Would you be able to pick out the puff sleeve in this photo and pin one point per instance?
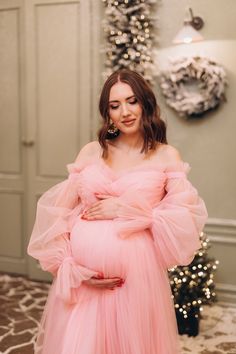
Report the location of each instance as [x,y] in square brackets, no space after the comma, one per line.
[175,222]
[49,243]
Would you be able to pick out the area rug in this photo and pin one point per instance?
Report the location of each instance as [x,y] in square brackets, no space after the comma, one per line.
[217,332]
[22,302]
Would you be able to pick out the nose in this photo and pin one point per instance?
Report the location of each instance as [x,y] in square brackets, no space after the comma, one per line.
[125,110]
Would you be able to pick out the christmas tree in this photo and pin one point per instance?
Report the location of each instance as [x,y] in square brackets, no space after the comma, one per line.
[129,32]
[192,287]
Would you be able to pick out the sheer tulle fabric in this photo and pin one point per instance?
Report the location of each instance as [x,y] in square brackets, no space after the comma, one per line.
[57,210]
[175,221]
[160,218]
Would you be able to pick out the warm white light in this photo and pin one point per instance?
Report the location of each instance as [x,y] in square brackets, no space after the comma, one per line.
[187,34]
[187,40]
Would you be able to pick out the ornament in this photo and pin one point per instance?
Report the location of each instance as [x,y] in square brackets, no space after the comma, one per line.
[193,86]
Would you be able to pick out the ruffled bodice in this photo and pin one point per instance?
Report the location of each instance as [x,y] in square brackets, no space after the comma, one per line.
[148,179]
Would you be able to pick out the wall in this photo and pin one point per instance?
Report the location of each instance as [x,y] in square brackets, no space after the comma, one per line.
[208,144]
[218,15]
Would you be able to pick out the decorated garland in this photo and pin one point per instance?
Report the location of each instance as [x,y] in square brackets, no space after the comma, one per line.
[128,27]
[193,86]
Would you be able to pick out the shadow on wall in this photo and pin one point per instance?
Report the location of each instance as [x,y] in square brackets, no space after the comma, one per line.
[223,52]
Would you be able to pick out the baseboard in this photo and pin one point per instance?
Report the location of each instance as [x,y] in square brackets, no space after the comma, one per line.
[13,265]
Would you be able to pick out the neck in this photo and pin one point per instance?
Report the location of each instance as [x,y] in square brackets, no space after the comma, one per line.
[130,142]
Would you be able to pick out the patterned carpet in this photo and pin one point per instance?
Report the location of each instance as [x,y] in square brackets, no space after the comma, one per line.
[22,301]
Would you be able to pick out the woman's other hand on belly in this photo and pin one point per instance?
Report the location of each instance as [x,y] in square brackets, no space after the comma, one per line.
[104,283]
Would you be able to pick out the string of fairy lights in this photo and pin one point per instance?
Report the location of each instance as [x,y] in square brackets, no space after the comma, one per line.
[129,31]
[193,285]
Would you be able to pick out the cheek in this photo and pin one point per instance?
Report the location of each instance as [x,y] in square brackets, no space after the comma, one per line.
[138,111]
[114,115]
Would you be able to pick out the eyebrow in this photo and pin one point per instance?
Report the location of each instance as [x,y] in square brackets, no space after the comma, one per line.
[127,98]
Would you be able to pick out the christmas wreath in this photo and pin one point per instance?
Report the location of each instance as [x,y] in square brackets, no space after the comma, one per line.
[193,85]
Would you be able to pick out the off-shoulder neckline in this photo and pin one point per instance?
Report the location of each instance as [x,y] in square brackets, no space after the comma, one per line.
[162,168]
[147,165]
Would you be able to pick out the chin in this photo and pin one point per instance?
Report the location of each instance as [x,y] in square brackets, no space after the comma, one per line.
[130,131]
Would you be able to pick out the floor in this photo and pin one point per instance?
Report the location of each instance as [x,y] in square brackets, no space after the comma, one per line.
[22,302]
[21,305]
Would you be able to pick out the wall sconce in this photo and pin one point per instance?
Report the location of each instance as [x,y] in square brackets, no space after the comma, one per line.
[189,32]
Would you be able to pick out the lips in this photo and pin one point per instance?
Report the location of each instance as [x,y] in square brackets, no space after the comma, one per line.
[128,121]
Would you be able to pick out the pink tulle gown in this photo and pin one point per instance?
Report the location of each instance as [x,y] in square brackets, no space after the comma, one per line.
[158,226]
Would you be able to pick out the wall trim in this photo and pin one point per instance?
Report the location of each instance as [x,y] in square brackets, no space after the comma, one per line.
[13,265]
[221,230]
[220,221]
[226,293]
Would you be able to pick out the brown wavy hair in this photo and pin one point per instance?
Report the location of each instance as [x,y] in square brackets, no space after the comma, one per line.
[153,128]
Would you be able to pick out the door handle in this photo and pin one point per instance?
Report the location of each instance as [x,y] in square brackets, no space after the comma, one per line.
[26,142]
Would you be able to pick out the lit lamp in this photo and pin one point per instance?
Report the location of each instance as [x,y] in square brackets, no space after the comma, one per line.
[189,32]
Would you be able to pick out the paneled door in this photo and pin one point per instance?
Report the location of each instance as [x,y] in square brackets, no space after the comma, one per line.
[47,95]
[12,129]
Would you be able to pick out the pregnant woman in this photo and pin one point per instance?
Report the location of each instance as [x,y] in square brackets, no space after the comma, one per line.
[109,232]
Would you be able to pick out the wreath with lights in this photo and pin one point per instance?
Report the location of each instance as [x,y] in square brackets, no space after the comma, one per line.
[193,86]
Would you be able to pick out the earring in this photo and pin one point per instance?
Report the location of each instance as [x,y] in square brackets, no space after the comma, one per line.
[113,130]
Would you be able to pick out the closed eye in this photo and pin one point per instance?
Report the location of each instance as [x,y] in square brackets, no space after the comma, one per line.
[114,107]
[131,101]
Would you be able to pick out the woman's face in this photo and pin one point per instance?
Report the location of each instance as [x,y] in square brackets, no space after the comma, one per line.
[124,109]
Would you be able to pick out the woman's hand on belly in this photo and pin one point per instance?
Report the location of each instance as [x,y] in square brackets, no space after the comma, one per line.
[106,208]
[104,283]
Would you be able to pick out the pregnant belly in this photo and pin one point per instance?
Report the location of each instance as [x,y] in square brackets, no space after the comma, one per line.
[96,245]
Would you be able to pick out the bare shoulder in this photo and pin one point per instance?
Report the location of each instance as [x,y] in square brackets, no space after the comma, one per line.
[90,150]
[167,153]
